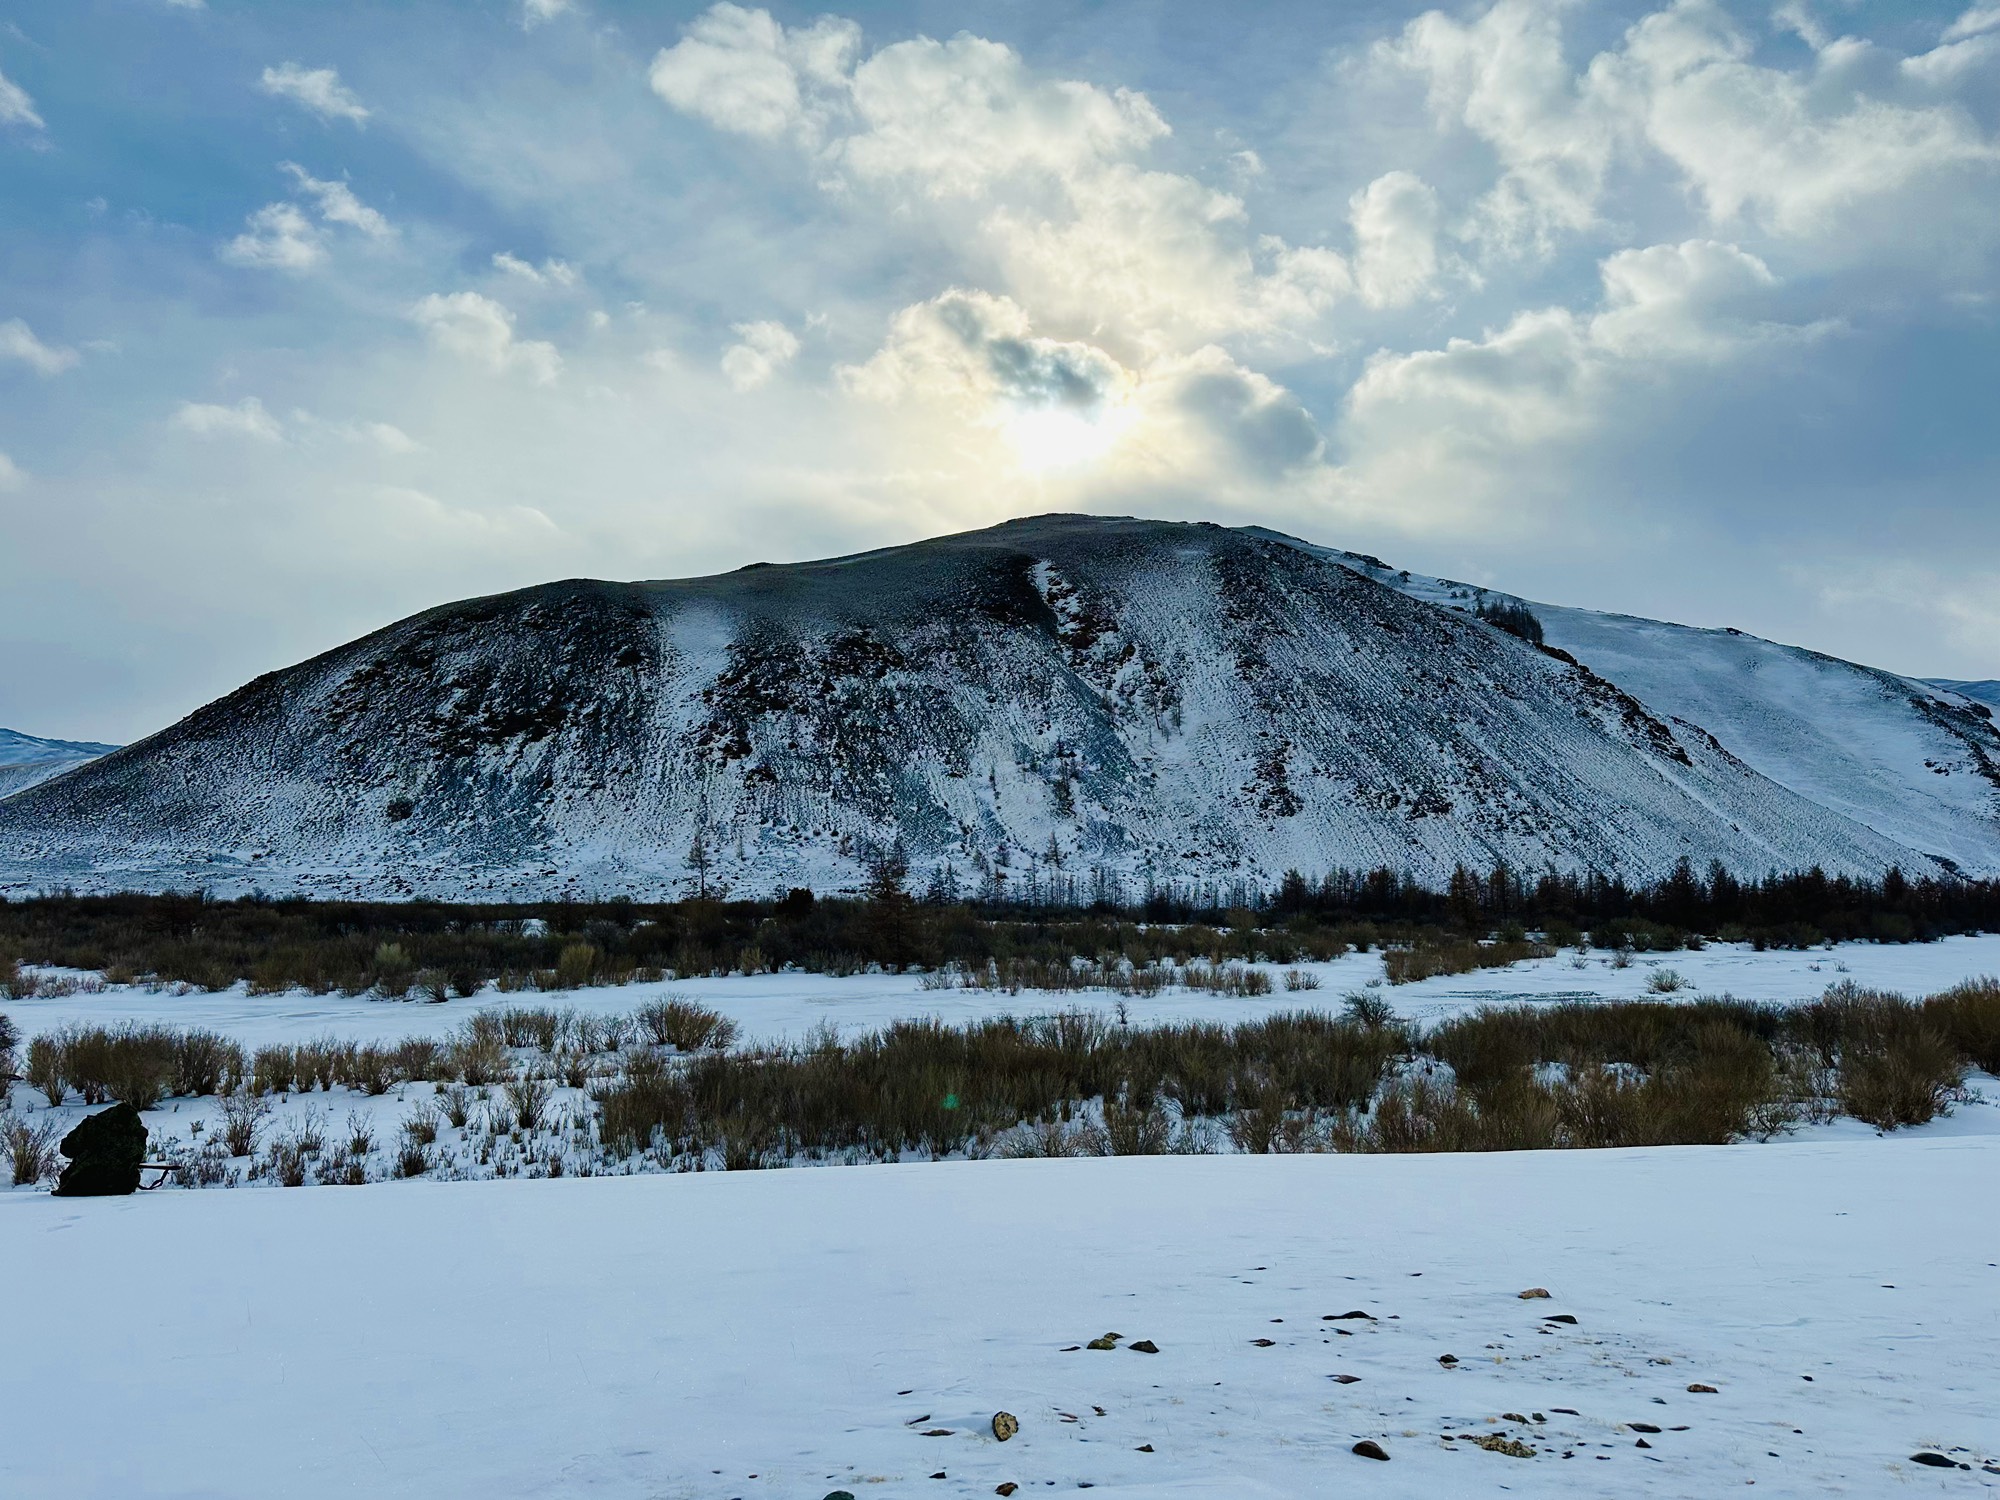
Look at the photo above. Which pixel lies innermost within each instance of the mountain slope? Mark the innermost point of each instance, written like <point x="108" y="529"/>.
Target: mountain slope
<point x="1986" y="692"/>
<point x="26" y="761"/>
<point x="1918" y="765"/>
<point x="1055" y="698"/>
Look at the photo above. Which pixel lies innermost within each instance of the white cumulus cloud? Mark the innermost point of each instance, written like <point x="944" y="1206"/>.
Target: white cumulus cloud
<point x="18" y="342"/>
<point x="741" y="71"/>
<point x="761" y="350"/>
<point x="11" y="475"/>
<point x="482" y="330"/>
<point x="277" y="237"/>
<point x="318" y="90"/>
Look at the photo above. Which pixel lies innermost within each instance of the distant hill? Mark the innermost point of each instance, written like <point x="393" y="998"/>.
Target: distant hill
<point x="1066" y="700"/>
<point x="26" y="761"/>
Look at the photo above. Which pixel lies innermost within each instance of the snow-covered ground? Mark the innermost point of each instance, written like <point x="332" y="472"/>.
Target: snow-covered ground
<point x="785" y="1334"/>
<point x="772" y="1007"/>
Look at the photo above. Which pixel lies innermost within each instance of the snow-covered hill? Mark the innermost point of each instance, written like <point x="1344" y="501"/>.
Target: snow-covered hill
<point x="26" y="760"/>
<point x="1065" y="698"/>
<point x="1914" y="761"/>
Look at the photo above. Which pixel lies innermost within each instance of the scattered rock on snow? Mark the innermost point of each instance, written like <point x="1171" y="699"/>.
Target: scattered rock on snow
<point x="1005" y="1489"/>
<point x="1447" y="1360"/>
<point x="1264" y="1343"/>
<point x="1344" y="1379"/>
<point x="1937" y="1460"/>
<point x="1534" y="1292"/>
<point x="1568" y="1318"/>
<point x="1109" y="1341"/>
<point x="1369" y="1448"/>
<point x="1345" y="1317"/>
<point x="1144" y="1346"/>
<point x="1494" y="1442"/>
<point x="1698" y="1389"/>
<point x="1005" y="1425"/>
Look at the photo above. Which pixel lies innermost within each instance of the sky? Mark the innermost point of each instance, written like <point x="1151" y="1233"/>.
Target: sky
<point x="313" y="316"/>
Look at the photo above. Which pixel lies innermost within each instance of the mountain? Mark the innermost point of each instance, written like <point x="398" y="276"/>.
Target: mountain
<point x="1986" y="692"/>
<point x="1918" y="765"/>
<point x="26" y="760"/>
<point x="1069" y="698"/>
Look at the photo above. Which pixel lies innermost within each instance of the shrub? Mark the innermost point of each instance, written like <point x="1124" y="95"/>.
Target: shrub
<point x="1365" y="1009"/>
<point x="1301" y="979"/>
<point x="1435" y="954"/>
<point x="529" y="1095"/>
<point x="684" y="1026"/>
<point x="576" y="966"/>
<point x="31" y="1148"/>
<point x="243" y="1116"/>
<point x="45" y="1068"/>
<point x="1969" y="1015"/>
<point x="529" y="1026"/>
<point x="272" y="1070"/>
<point x="1906" y="1079"/>
<point x="1665" y="982"/>
<point x="420" y="1127"/>
<point x="1513" y="617"/>
<point x="205" y="1063"/>
<point x="479" y="1054"/>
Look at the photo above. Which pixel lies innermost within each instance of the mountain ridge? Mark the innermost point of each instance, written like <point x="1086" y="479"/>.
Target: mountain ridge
<point x="1061" y="698"/>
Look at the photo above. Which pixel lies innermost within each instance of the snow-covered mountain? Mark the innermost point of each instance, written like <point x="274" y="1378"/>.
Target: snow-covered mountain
<point x="1059" y="698"/>
<point x="1917" y="762"/>
<point x="26" y="760"/>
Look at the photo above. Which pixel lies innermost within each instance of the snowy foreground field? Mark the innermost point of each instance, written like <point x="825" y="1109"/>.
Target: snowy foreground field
<point x="792" y="1333"/>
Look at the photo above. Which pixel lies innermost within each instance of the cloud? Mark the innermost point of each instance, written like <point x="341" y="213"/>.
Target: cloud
<point x="1042" y="179"/>
<point x="482" y="330"/>
<point x="16" y="108"/>
<point x="741" y="71"/>
<point x="11" y="475"/>
<point x="761" y="350"/>
<point x="338" y="205"/>
<point x="1779" y="148"/>
<point x="18" y="341"/>
<point x="536" y="12"/>
<point x="549" y="273"/>
<point x="316" y="89"/>
<point x="280" y="237"/>
<point x="246" y="419"/>
<point x="1977" y="21"/>
<point x="1395" y="221"/>
<point x="1445" y="429"/>
<point x="972" y="361"/>
<point x="277" y="237"/>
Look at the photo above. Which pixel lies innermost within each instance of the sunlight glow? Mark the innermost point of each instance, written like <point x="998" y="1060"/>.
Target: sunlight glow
<point x="1047" y="438"/>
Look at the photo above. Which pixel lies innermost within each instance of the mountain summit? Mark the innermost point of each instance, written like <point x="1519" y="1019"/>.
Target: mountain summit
<point x="1062" y="699"/>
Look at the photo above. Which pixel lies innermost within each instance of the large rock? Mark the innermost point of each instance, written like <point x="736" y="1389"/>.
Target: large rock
<point x="104" y="1153"/>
